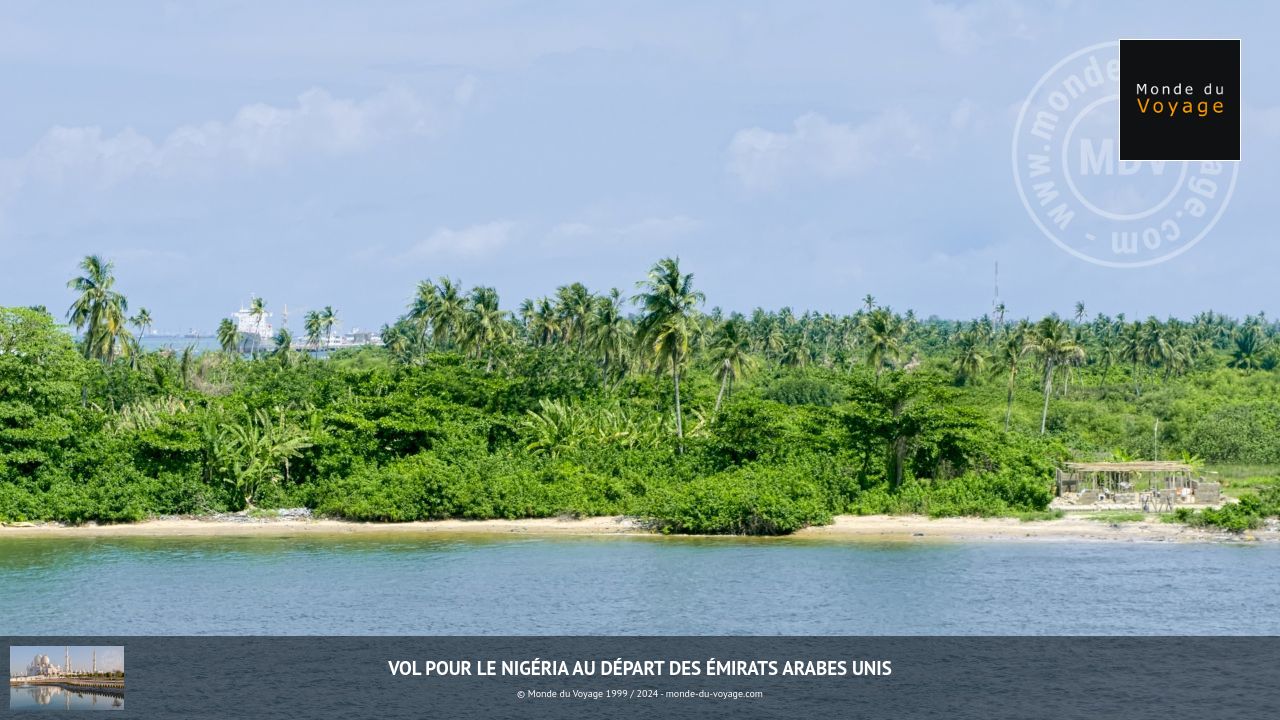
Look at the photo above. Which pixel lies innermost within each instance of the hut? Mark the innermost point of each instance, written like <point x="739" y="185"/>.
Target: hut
<point x="1150" y="483"/>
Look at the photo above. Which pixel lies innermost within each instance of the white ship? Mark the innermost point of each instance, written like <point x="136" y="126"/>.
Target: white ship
<point x="257" y="332"/>
<point x="254" y="328"/>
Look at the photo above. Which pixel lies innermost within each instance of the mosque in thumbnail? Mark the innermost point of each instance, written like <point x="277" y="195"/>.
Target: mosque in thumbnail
<point x="43" y="666"/>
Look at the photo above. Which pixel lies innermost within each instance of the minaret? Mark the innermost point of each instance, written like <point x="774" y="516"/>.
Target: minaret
<point x="95" y="661"/>
<point x="66" y="660"/>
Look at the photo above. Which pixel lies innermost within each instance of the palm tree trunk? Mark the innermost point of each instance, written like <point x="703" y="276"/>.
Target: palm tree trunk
<point x="675" y="374"/>
<point x="724" y="382"/>
<point x="897" y="449"/>
<point x="1008" y="412"/>
<point x="1048" y="390"/>
<point x="899" y="460"/>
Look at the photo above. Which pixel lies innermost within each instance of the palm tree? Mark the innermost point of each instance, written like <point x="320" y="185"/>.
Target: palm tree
<point x="775" y="343"/>
<point x="1134" y="349"/>
<point x="883" y="333"/>
<point x="395" y="340"/>
<point x="1011" y="350"/>
<point x="422" y="309"/>
<point x="99" y="310"/>
<point x="541" y="322"/>
<point x="574" y="304"/>
<point x="794" y="353"/>
<point x="142" y="321"/>
<point x="1251" y="347"/>
<point x="970" y="360"/>
<point x="1052" y="341"/>
<point x="730" y="353"/>
<point x="484" y="324"/>
<point x="258" y="311"/>
<point x="313" y="325"/>
<point x="668" y="304"/>
<point x="1080" y="311"/>
<point x="328" y="319"/>
<point x="1158" y="343"/>
<point x="228" y="336"/>
<point x="1108" y="350"/>
<point x="283" y="350"/>
<point x="185" y="363"/>
<point x="608" y="330"/>
<point x="448" y="313"/>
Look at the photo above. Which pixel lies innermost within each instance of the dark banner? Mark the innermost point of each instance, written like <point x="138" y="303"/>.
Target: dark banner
<point x="673" y="677"/>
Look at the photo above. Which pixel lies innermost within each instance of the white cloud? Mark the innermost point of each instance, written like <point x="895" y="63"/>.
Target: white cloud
<point x="817" y="147"/>
<point x="476" y="241"/>
<point x="964" y="115"/>
<point x="962" y="28"/>
<point x="954" y="27"/>
<point x="465" y="91"/>
<point x="257" y="135"/>
<point x="647" y="229"/>
<point x="1264" y="121"/>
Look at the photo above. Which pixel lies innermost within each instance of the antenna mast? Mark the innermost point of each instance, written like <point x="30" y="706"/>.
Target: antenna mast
<point x="995" y="298"/>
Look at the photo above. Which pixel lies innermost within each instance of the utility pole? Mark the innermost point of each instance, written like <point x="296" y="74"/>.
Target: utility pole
<point x="995" y="298"/>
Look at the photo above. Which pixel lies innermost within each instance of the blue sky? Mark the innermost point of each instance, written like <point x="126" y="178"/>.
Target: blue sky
<point x="109" y="657"/>
<point x="800" y="154"/>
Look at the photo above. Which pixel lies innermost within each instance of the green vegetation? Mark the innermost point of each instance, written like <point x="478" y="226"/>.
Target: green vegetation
<point x="588" y="403"/>
<point x="1037" y="515"/>
<point x="1250" y="513"/>
<point x="1117" y="516"/>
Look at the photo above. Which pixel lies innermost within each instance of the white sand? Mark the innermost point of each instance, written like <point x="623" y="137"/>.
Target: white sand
<point x="911" y="528"/>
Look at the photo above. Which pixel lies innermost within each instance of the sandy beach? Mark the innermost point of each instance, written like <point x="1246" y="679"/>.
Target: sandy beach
<point x="872" y="528"/>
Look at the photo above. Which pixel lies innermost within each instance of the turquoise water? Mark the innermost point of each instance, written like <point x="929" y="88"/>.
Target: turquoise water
<point x="629" y="585"/>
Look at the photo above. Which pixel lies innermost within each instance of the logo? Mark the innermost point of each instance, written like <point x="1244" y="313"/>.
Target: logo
<point x="1180" y="100"/>
<point x="1082" y="196"/>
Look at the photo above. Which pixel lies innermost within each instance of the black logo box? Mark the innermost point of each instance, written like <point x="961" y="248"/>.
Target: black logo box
<point x="1186" y="67"/>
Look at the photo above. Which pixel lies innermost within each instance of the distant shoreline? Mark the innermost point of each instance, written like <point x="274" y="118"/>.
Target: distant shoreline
<point x="870" y="528"/>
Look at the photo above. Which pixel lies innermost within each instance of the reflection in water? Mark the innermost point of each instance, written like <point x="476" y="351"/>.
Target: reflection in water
<point x="57" y="697"/>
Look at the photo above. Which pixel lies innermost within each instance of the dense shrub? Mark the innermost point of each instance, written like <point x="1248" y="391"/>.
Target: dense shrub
<point x="1238" y="433"/>
<point x="750" y="430"/>
<point x="977" y="494"/>
<point x="426" y="487"/>
<point x="805" y="391"/>
<point x="743" y="501"/>
<point x="1248" y="514"/>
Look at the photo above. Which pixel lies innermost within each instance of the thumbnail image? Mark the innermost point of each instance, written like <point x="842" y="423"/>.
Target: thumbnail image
<point x="73" y="677"/>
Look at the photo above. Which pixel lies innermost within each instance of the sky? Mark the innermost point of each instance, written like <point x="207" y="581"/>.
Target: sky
<point x="109" y="657"/>
<point x="791" y="154"/>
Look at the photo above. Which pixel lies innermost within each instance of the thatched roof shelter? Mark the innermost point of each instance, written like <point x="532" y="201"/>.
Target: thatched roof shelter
<point x="1140" y="466"/>
<point x="1124" y="476"/>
